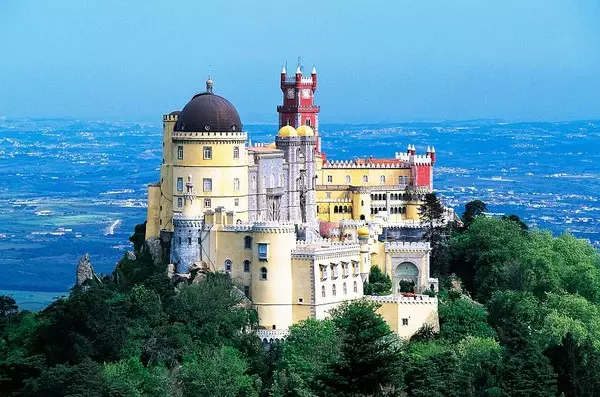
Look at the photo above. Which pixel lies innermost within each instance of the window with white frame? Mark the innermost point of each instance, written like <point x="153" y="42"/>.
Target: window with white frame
<point x="382" y="179"/>
<point x="207" y="203"/>
<point x="333" y="290"/>
<point x="179" y="152"/>
<point x="228" y="265"/>
<point x="334" y="270"/>
<point x="323" y="293"/>
<point x="365" y="178"/>
<point x="207" y="184"/>
<point x="355" y="287"/>
<point x="328" y="195"/>
<point x="263" y="251"/>
<point x="348" y="179"/>
<point x="179" y="184"/>
<point x="323" y="272"/>
<point x="236" y="152"/>
<point x="207" y="153"/>
<point x="236" y="184"/>
<point x="179" y="201"/>
<point x="236" y="202"/>
<point x="344" y="289"/>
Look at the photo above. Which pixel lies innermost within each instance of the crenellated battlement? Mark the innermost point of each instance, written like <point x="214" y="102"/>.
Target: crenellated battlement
<point x="273" y="227"/>
<point x="170" y="117"/>
<point x="417" y="299"/>
<point x="406" y="246"/>
<point x="355" y="164"/>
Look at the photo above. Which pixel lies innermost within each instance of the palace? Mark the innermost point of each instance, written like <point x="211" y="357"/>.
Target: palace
<point x="297" y="233"/>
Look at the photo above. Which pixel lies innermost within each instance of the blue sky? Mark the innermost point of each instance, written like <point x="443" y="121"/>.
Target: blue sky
<point x="378" y="61"/>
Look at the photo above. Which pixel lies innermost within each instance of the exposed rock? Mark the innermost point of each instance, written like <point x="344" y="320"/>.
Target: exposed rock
<point x="85" y="271"/>
<point x="170" y="271"/>
<point x="155" y="249"/>
<point x="131" y="255"/>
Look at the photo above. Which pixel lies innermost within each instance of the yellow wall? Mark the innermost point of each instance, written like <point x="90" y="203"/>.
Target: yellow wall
<point x="152" y="225"/>
<point x="338" y="176"/>
<point x="302" y="288"/>
<point x="416" y="312"/>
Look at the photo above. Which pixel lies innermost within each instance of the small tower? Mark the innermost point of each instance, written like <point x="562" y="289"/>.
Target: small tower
<point x="365" y="259"/>
<point x="298" y="106"/>
<point x="187" y="234"/>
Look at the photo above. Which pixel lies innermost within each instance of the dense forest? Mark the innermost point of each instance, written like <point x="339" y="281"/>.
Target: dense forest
<point x="519" y="316"/>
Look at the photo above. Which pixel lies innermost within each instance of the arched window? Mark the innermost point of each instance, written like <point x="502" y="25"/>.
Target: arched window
<point x="248" y="242"/>
<point x="247" y="266"/>
<point x="189" y="241"/>
<point x="382" y="179"/>
<point x="355" y="287"/>
<point x="179" y="240"/>
<point x="344" y="289"/>
<point x="333" y="290"/>
<point x="236" y="152"/>
<point x="329" y="178"/>
<point x="348" y="179"/>
<point x="335" y="209"/>
<point x="236" y="184"/>
<point x="365" y="179"/>
<point x="323" y="292"/>
<point x="263" y="273"/>
<point x="228" y="265"/>
<point x="308" y="122"/>
<point x="362" y="203"/>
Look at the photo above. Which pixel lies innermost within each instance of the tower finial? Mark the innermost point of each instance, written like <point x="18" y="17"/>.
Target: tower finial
<point x="299" y="68"/>
<point x="209" y="85"/>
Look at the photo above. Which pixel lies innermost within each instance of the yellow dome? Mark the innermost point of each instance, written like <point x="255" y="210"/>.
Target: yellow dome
<point x="305" y="131"/>
<point x="287" y="130"/>
<point x="272" y="145"/>
<point x="363" y="231"/>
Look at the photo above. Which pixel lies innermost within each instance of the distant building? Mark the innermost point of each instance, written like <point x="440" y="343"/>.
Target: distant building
<point x="297" y="233"/>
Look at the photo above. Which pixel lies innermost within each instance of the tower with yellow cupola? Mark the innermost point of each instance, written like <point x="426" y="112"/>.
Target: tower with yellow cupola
<point x="298" y="106"/>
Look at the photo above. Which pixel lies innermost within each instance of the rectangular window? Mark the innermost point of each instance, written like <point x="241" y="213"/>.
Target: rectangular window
<point x="247" y="291"/>
<point x="179" y="152"/>
<point x="236" y="184"/>
<point x="328" y="195"/>
<point x="207" y="184"/>
<point x="334" y="270"/>
<point x="263" y="251"/>
<point x="207" y="153"/>
<point x="236" y="153"/>
<point x="180" y="184"/>
<point x="330" y="178"/>
<point x="236" y="202"/>
<point x="179" y="202"/>
<point x="404" y="321"/>
<point x="207" y="203"/>
<point x="348" y="179"/>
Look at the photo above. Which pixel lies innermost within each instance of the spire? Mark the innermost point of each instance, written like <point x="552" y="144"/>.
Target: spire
<point x="209" y="85"/>
<point x="314" y="71"/>
<point x="299" y="68"/>
<point x="433" y="149"/>
<point x="283" y="71"/>
<point x="428" y="149"/>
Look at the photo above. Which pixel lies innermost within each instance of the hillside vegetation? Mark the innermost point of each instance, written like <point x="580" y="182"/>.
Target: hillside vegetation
<point x="519" y="316"/>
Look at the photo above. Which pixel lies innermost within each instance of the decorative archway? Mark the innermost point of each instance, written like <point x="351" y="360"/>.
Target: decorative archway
<point x="406" y="271"/>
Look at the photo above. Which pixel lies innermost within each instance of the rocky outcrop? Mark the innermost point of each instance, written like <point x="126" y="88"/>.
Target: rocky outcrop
<point x="156" y="250"/>
<point x="85" y="271"/>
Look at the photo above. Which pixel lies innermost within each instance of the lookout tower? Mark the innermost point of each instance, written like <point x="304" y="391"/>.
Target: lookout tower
<point x="298" y="107"/>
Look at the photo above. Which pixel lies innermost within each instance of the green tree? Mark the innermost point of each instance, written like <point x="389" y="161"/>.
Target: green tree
<point x="8" y="309"/>
<point x="472" y="210"/>
<point x="431" y="213"/>
<point x="216" y="372"/>
<point x="211" y="309"/>
<point x="369" y="361"/>
<point x="81" y="380"/>
<point x="516" y="219"/>
<point x="480" y="362"/>
<point x="309" y="351"/>
<point x="526" y="372"/>
<point x="379" y="283"/>
<point x="460" y="318"/>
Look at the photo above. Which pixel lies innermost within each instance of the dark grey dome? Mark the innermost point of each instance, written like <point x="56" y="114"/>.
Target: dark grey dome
<point x="208" y="112"/>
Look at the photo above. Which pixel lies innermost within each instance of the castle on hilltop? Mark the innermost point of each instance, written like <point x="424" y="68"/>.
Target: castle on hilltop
<point x="297" y="233"/>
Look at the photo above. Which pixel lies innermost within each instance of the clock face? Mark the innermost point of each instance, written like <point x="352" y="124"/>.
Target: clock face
<point x="290" y="93"/>
<point x="306" y="93"/>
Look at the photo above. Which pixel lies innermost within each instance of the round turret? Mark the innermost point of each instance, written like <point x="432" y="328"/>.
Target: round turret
<point x="363" y="231"/>
<point x="305" y="131"/>
<point x="287" y="131"/>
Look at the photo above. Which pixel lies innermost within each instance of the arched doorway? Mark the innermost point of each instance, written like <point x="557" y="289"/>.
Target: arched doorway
<point x="406" y="273"/>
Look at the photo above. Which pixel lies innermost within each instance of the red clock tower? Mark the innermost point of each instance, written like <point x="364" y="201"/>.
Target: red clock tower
<point x="298" y="101"/>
